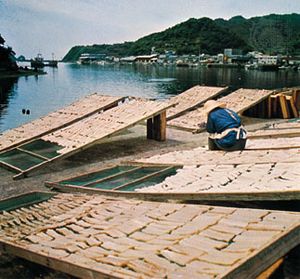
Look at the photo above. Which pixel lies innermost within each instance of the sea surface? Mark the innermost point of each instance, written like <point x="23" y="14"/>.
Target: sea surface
<point x="23" y="99"/>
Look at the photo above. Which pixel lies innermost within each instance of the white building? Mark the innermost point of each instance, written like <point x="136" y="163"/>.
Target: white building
<point x="266" y="59"/>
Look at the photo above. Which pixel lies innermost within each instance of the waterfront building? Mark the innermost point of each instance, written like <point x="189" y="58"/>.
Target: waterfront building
<point x="89" y="58"/>
<point x="146" y="58"/>
<point x="235" y="56"/>
<point x="267" y="59"/>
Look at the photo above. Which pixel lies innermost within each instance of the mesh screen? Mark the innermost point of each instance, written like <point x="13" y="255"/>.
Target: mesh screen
<point x="126" y="178"/>
<point x="20" y="159"/>
<point x="44" y="148"/>
<point x="150" y="181"/>
<point x="80" y="181"/>
<point x="24" y="200"/>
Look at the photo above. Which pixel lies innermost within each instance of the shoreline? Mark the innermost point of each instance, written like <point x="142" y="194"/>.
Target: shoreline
<point x="21" y="73"/>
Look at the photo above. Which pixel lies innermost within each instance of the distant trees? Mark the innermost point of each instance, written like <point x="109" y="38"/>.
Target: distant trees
<point x="269" y="34"/>
<point x="7" y="57"/>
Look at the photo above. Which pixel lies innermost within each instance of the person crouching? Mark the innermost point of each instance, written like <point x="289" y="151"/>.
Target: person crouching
<point x="224" y="127"/>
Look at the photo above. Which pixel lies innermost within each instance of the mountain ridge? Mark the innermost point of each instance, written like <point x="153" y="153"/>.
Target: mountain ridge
<point x="271" y="34"/>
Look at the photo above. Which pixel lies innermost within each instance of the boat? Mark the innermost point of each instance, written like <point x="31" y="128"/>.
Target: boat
<point x="37" y="62"/>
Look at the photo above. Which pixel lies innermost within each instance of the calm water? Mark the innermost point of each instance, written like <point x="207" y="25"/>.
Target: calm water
<point x="61" y="86"/>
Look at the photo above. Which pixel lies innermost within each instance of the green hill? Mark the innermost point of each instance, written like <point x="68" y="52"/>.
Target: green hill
<point x="272" y="34"/>
<point x="269" y="34"/>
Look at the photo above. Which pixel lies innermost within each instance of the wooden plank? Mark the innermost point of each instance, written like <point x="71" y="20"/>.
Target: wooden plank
<point x="56" y="120"/>
<point x="284" y="108"/>
<point x="296" y="97"/>
<point x="226" y="196"/>
<point x="150" y="131"/>
<point x="159" y="126"/>
<point x="275" y="133"/>
<point x="286" y="125"/>
<point x="273" y="143"/>
<point x="275" y="105"/>
<point x="268" y="272"/>
<point x="292" y="106"/>
<point x="179" y="234"/>
<point x="10" y="167"/>
<point x="269" y="107"/>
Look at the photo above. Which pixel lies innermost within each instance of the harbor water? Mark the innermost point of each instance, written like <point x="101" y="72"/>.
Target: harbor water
<point x="23" y="99"/>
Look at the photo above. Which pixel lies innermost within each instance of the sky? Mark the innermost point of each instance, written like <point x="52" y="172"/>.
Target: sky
<point x="54" y="26"/>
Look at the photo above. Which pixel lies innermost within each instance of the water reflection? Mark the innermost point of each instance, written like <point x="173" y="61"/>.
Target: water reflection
<point x="7" y="90"/>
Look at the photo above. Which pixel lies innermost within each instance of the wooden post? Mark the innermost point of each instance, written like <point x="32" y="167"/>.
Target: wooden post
<point x="292" y="107"/>
<point x="284" y="107"/>
<point x="296" y="97"/>
<point x="268" y="272"/>
<point x="150" y="132"/>
<point x="159" y="126"/>
<point x="269" y="112"/>
<point x="275" y="106"/>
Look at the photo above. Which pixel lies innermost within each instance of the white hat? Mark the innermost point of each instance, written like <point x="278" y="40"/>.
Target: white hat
<point x="211" y="105"/>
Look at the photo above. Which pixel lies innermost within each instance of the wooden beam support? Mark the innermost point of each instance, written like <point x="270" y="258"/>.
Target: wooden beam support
<point x="150" y="132"/>
<point x="274" y="101"/>
<point x="267" y="273"/>
<point x="296" y="97"/>
<point x="269" y="112"/>
<point x="159" y="126"/>
<point x="292" y="107"/>
<point x="284" y="107"/>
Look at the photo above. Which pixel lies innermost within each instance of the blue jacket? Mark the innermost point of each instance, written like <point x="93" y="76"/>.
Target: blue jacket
<point x="218" y="121"/>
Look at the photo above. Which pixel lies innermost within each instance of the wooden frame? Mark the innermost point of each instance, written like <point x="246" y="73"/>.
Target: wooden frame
<point x="233" y="101"/>
<point x="27" y="195"/>
<point x="225" y="196"/>
<point x="212" y="197"/>
<point x="275" y="133"/>
<point x="158" y="128"/>
<point x="192" y="105"/>
<point x="87" y="185"/>
<point x="60" y="230"/>
<point x="38" y="133"/>
<point x="267" y="257"/>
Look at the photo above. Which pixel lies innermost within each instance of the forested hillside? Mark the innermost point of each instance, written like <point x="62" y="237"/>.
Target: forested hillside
<point x="270" y="34"/>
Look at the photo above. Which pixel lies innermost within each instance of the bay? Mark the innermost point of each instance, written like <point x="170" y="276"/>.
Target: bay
<point x="26" y="98"/>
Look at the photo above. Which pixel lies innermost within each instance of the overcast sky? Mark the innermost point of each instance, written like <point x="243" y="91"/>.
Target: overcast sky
<point x="54" y="26"/>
